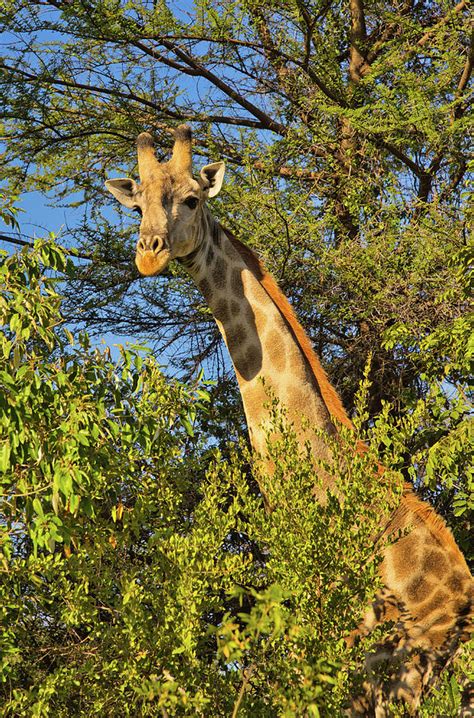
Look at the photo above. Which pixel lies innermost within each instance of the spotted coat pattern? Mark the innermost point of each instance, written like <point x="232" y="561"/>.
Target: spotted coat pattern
<point x="428" y="588"/>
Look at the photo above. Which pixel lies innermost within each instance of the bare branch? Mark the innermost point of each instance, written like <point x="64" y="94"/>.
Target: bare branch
<point x="24" y="243"/>
<point x="267" y="122"/>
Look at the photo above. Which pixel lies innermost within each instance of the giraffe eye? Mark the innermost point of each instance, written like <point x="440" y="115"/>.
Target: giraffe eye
<point x="191" y="202"/>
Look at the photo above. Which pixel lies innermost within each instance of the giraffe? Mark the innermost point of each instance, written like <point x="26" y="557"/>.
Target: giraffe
<point x="427" y="585"/>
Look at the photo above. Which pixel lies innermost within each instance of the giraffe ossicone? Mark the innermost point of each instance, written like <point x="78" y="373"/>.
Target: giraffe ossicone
<point x="428" y="588"/>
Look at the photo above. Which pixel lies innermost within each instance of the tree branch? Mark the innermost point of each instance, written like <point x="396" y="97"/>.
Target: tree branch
<point x="173" y="114"/>
<point x="267" y="122"/>
<point x="82" y="86"/>
<point x="247" y="674"/>
<point x="358" y="37"/>
<point x="24" y="243"/>
<point x="464" y="79"/>
<point x="286" y="75"/>
<point x="460" y="6"/>
<point x="455" y="180"/>
<point x="293" y="172"/>
<point x="382" y="36"/>
<point x="392" y="29"/>
<point x="165" y="60"/>
<point x="378" y="142"/>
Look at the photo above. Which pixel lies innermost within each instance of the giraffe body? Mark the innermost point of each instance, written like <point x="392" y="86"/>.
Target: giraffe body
<point x="427" y="585"/>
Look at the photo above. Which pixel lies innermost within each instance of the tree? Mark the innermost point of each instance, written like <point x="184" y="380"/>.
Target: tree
<point x="345" y="130"/>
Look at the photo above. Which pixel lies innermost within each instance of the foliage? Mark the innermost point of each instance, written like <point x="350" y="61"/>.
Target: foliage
<point x="8" y="210"/>
<point x="344" y="129"/>
<point x="141" y="572"/>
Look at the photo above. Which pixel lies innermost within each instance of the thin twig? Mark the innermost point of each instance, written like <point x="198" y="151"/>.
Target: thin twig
<point x="247" y="675"/>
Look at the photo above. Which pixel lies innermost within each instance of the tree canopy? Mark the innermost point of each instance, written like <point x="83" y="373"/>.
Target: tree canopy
<point x="345" y="130"/>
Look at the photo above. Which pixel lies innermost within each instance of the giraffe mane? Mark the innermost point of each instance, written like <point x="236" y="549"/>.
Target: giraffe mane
<point x="410" y="503"/>
<point x="330" y="397"/>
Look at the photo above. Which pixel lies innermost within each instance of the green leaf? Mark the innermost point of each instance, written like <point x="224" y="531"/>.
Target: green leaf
<point x="4" y="457"/>
<point x="38" y="508"/>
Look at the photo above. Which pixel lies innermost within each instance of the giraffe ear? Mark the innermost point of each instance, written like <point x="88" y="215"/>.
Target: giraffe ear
<point x="124" y="190"/>
<point x="212" y="177"/>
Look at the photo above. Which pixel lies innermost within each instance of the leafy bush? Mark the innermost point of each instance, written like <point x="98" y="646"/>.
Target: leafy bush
<point x="142" y="574"/>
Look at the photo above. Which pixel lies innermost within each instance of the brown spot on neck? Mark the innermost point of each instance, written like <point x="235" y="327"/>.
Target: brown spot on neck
<point x="219" y="273"/>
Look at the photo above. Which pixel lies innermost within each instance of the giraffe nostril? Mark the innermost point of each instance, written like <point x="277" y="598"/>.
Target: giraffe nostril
<point x="150" y="244"/>
<point x="155" y="245"/>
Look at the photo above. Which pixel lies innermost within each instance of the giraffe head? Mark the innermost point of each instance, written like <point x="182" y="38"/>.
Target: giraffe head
<point x="169" y="200"/>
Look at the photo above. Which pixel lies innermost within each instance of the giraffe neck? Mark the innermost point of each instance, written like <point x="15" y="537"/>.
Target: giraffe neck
<point x="427" y="585"/>
<point x="266" y="355"/>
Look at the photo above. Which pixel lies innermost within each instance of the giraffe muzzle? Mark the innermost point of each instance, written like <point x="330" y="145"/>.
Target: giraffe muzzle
<point x="151" y="263"/>
<point x="152" y="255"/>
